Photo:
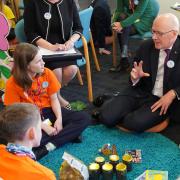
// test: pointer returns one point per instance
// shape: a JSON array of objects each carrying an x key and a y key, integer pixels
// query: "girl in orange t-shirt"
[{"x": 33, "y": 83}]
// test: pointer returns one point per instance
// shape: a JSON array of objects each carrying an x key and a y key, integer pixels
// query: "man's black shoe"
[
  {"x": 125, "y": 64},
  {"x": 77, "y": 140},
  {"x": 98, "y": 101},
  {"x": 96, "y": 114},
  {"x": 40, "y": 152}
]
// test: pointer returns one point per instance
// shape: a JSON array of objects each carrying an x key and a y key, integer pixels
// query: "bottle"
[
  {"x": 127, "y": 159},
  {"x": 107, "y": 171},
  {"x": 114, "y": 160},
  {"x": 94, "y": 171},
  {"x": 121, "y": 171},
  {"x": 100, "y": 160}
]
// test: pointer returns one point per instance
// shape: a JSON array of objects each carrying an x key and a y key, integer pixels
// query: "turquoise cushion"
[{"x": 81, "y": 62}]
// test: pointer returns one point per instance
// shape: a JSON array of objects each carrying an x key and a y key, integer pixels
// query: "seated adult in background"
[
  {"x": 54, "y": 25},
  {"x": 32, "y": 83},
  {"x": 154, "y": 90},
  {"x": 20, "y": 124},
  {"x": 131, "y": 17},
  {"x": 101, "y": 25},
  {"x": 6, "y": 10}
]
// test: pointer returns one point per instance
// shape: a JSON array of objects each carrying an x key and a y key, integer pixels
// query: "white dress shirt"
[{"x": 158, "y": 86}]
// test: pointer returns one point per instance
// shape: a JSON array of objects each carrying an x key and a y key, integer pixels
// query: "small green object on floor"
[{"x": 78, "y": 105}]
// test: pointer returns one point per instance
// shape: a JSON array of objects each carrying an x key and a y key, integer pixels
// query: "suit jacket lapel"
[
  {"x": 175, "y": 51},
  {"x": 173, "y": 57},
  {"x": 154, "y": 64}
]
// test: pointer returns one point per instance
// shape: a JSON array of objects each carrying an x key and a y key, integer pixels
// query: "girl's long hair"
[{"x": 23, "y": 55}]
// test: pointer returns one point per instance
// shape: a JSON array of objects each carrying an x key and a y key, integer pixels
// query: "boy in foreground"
[{"x": 20, "y": 125}]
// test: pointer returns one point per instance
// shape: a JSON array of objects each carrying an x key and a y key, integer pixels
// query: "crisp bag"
[{"x": 73, "y": 169}]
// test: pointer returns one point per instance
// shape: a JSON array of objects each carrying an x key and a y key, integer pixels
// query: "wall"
[{"x": 165, "y": 7}]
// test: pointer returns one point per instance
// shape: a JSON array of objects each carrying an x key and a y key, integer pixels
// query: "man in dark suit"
[{"x": 154, "y": 90}]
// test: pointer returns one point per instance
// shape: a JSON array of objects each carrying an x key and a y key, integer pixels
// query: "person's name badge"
[
  {"x": 47, "y": 15},
  {"x": 170, "y": 64},
  {"x": 136, "y": 2},
  {"x": 45, "y": 84}
]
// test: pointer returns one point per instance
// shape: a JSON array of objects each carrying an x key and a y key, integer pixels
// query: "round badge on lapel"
[
  {"x": 170, "y": 64},
  {"x": 47, "y": 15},
  {"x": 45, "y": 84},
  {"x": 136, "y": 2}
]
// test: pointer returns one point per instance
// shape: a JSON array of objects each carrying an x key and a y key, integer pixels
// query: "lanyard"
[{"x": 36, "y": 96}]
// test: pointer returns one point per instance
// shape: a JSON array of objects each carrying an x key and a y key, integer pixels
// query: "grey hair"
[{"x": 171, "y": 19}]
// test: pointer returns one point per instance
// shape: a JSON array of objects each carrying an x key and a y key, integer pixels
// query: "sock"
[
  {"x": 50, "y": 146},
  {"x": 124, "y": 51}
]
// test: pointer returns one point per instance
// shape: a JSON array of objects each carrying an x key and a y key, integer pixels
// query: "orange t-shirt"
[
  {"x": 39, "y": 93},
  {"x": 22, "y": 167}
]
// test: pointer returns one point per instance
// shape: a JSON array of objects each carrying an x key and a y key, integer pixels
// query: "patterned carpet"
[{"x": 158, "y": 152}]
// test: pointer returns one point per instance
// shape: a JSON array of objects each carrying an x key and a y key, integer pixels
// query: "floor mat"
[{"x": 158, "y": 152}]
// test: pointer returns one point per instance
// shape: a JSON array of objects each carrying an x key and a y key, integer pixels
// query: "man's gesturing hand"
[{"x": 137, "y": 71}]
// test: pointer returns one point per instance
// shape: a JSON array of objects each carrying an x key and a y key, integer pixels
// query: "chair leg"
[
  {"x": 79, "y": 77},
  {"x": 94, "y": 53},
  {"x": 88, "y": 69},
  {"x": 114, "y": 49},
  {"x": 14, "y": 6}
]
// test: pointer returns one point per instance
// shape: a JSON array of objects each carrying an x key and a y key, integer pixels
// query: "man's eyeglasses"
[{"x": 159, "y": 33}]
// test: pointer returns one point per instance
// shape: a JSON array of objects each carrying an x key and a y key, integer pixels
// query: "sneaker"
[
  {"x": 40, "y": 152},
  {"x": 99, "y": 101}
]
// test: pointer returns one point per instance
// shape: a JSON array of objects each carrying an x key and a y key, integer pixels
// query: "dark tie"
[{"x": 165, "y": 80}]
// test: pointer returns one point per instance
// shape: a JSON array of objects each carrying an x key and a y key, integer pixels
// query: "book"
[
  {"x": 46, "y": 52},
  {"x": 136, "y": 155},
  {"x": 153, "y": 175},
  {"x": 59, "y": 59}
]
